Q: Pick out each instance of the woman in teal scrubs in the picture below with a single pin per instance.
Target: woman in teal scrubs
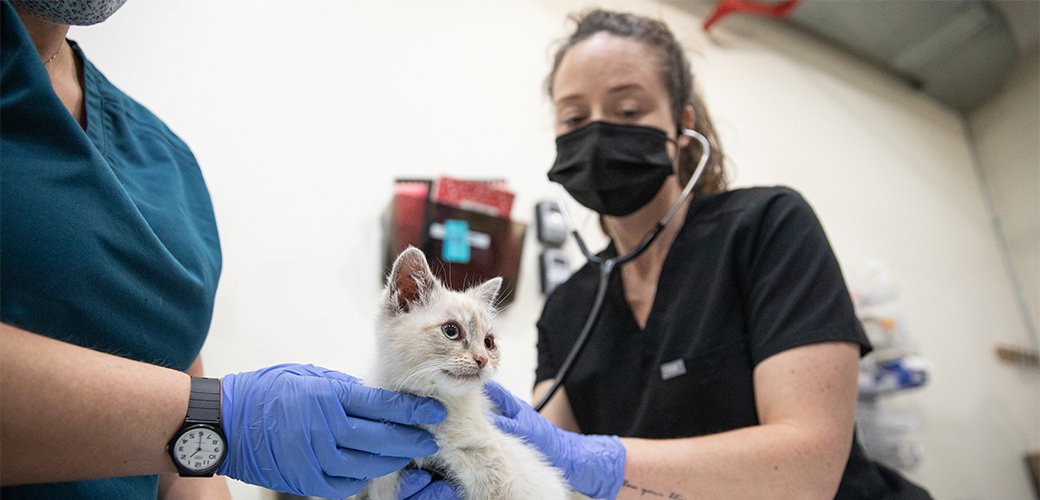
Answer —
(109, 262)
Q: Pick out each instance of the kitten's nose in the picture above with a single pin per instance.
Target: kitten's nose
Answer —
(481, 361)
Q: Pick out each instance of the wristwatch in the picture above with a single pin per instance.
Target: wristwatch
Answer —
(199, 447)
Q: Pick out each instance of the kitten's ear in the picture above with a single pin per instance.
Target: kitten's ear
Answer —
(487, 292)
(411, 282)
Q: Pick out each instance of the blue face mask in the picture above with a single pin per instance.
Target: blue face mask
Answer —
(611, 168)
(77, 12)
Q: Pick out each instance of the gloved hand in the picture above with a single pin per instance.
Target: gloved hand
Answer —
(593, 465)
(309, 431)
(416, 485)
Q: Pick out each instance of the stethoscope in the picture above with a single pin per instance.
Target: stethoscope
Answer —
(607, 265)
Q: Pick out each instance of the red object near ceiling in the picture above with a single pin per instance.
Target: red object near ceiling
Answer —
(771, 9)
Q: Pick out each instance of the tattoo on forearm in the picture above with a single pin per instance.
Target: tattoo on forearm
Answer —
(647, 491)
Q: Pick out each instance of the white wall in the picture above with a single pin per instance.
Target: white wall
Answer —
(302, 113)
(1005, 132)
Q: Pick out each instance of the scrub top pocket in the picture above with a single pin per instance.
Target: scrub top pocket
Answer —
(713, 395)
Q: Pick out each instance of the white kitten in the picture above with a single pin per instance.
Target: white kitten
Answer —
(440, 343)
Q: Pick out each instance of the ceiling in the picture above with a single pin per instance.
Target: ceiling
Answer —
(958, 51)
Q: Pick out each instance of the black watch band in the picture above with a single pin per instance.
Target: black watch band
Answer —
(204, 403)
(202, 419)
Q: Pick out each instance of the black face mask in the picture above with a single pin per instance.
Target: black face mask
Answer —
(611, 168)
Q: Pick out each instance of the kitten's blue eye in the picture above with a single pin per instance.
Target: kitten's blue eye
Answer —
(451, 330)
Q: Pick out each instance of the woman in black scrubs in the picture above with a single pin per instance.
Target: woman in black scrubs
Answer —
(725, 357)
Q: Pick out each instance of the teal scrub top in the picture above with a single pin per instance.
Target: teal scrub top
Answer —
(107, 236)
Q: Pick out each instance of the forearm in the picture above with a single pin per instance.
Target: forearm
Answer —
(767, 461)
(71, 413)
(777, 461)
(174, 487)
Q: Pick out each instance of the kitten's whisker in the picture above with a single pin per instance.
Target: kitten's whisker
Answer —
(421, 377)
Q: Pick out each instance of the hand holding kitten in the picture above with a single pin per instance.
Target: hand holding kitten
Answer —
(593, 465)
(307, 430)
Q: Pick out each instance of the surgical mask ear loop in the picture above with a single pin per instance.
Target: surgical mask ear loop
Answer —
(608, 265)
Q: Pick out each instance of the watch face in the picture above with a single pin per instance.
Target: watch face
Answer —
(199, 448)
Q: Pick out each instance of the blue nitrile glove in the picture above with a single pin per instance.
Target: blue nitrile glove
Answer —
(593, 465)
(416, 485)
(309, 431)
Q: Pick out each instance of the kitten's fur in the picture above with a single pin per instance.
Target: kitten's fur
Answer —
(417, 356)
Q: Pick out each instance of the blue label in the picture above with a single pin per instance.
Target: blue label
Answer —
(456, 241)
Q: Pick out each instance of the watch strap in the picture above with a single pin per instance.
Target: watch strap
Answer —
(204, 403)
(203, 411)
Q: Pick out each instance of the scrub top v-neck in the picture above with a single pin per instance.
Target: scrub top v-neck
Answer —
(617, 294)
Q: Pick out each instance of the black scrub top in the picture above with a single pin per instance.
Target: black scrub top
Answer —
(750, 274)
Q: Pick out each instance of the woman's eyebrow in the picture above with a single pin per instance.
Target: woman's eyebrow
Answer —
(569, 99)
(619, 89)
(624, 88)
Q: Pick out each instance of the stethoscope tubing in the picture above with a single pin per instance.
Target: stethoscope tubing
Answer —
(607, 266)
